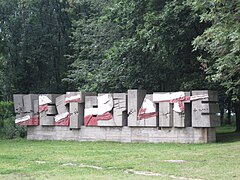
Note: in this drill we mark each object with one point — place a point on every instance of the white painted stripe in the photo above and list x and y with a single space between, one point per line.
44 100
157 97
198 97
148 105
105 103
22 119
71 98
61 116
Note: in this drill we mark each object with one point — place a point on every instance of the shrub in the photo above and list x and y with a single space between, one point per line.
8 128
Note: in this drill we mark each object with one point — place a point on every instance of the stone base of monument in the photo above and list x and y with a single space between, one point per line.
123 134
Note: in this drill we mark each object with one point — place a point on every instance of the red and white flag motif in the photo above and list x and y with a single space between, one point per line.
177 98
28 120
93 115
147 110
62 119
43 101
74 98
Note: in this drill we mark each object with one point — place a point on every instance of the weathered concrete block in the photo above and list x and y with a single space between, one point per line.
165 110
108 122
91 102
183 119
135 101
74 107
74 97
205 108
46 120
35 106
27 119
60 99
28 102
48 98
49 112
18 103
100 115
22 118
124 134
62 119
61 105
165 114
51 109
138 135
173 109
90 110
76 115
120 109
109 110
75 121
147 114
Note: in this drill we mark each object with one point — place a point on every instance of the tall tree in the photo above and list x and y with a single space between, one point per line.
135 44
35 38
221 44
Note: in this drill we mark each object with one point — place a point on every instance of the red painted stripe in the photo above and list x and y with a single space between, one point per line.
90 120
34 121
105 116
143 115
147 115
73 100
42 108
63 122
180 101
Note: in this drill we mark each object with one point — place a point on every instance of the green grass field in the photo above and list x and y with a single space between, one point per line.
23 159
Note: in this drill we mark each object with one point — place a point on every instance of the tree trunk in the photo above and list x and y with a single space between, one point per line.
1 125
221 115
229 112
237 112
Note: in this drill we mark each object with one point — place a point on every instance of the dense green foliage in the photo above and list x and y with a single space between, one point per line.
220 44
136 44
34 39
116 45
221 41
8 128
112 46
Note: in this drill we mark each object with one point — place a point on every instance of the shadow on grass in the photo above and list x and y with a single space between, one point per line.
228 137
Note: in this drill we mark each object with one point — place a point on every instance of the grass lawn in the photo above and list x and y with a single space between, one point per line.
23 159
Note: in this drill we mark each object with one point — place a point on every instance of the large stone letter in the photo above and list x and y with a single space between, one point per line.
174 109
76 107
205 108
63 116
141 109
25 110
47 109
